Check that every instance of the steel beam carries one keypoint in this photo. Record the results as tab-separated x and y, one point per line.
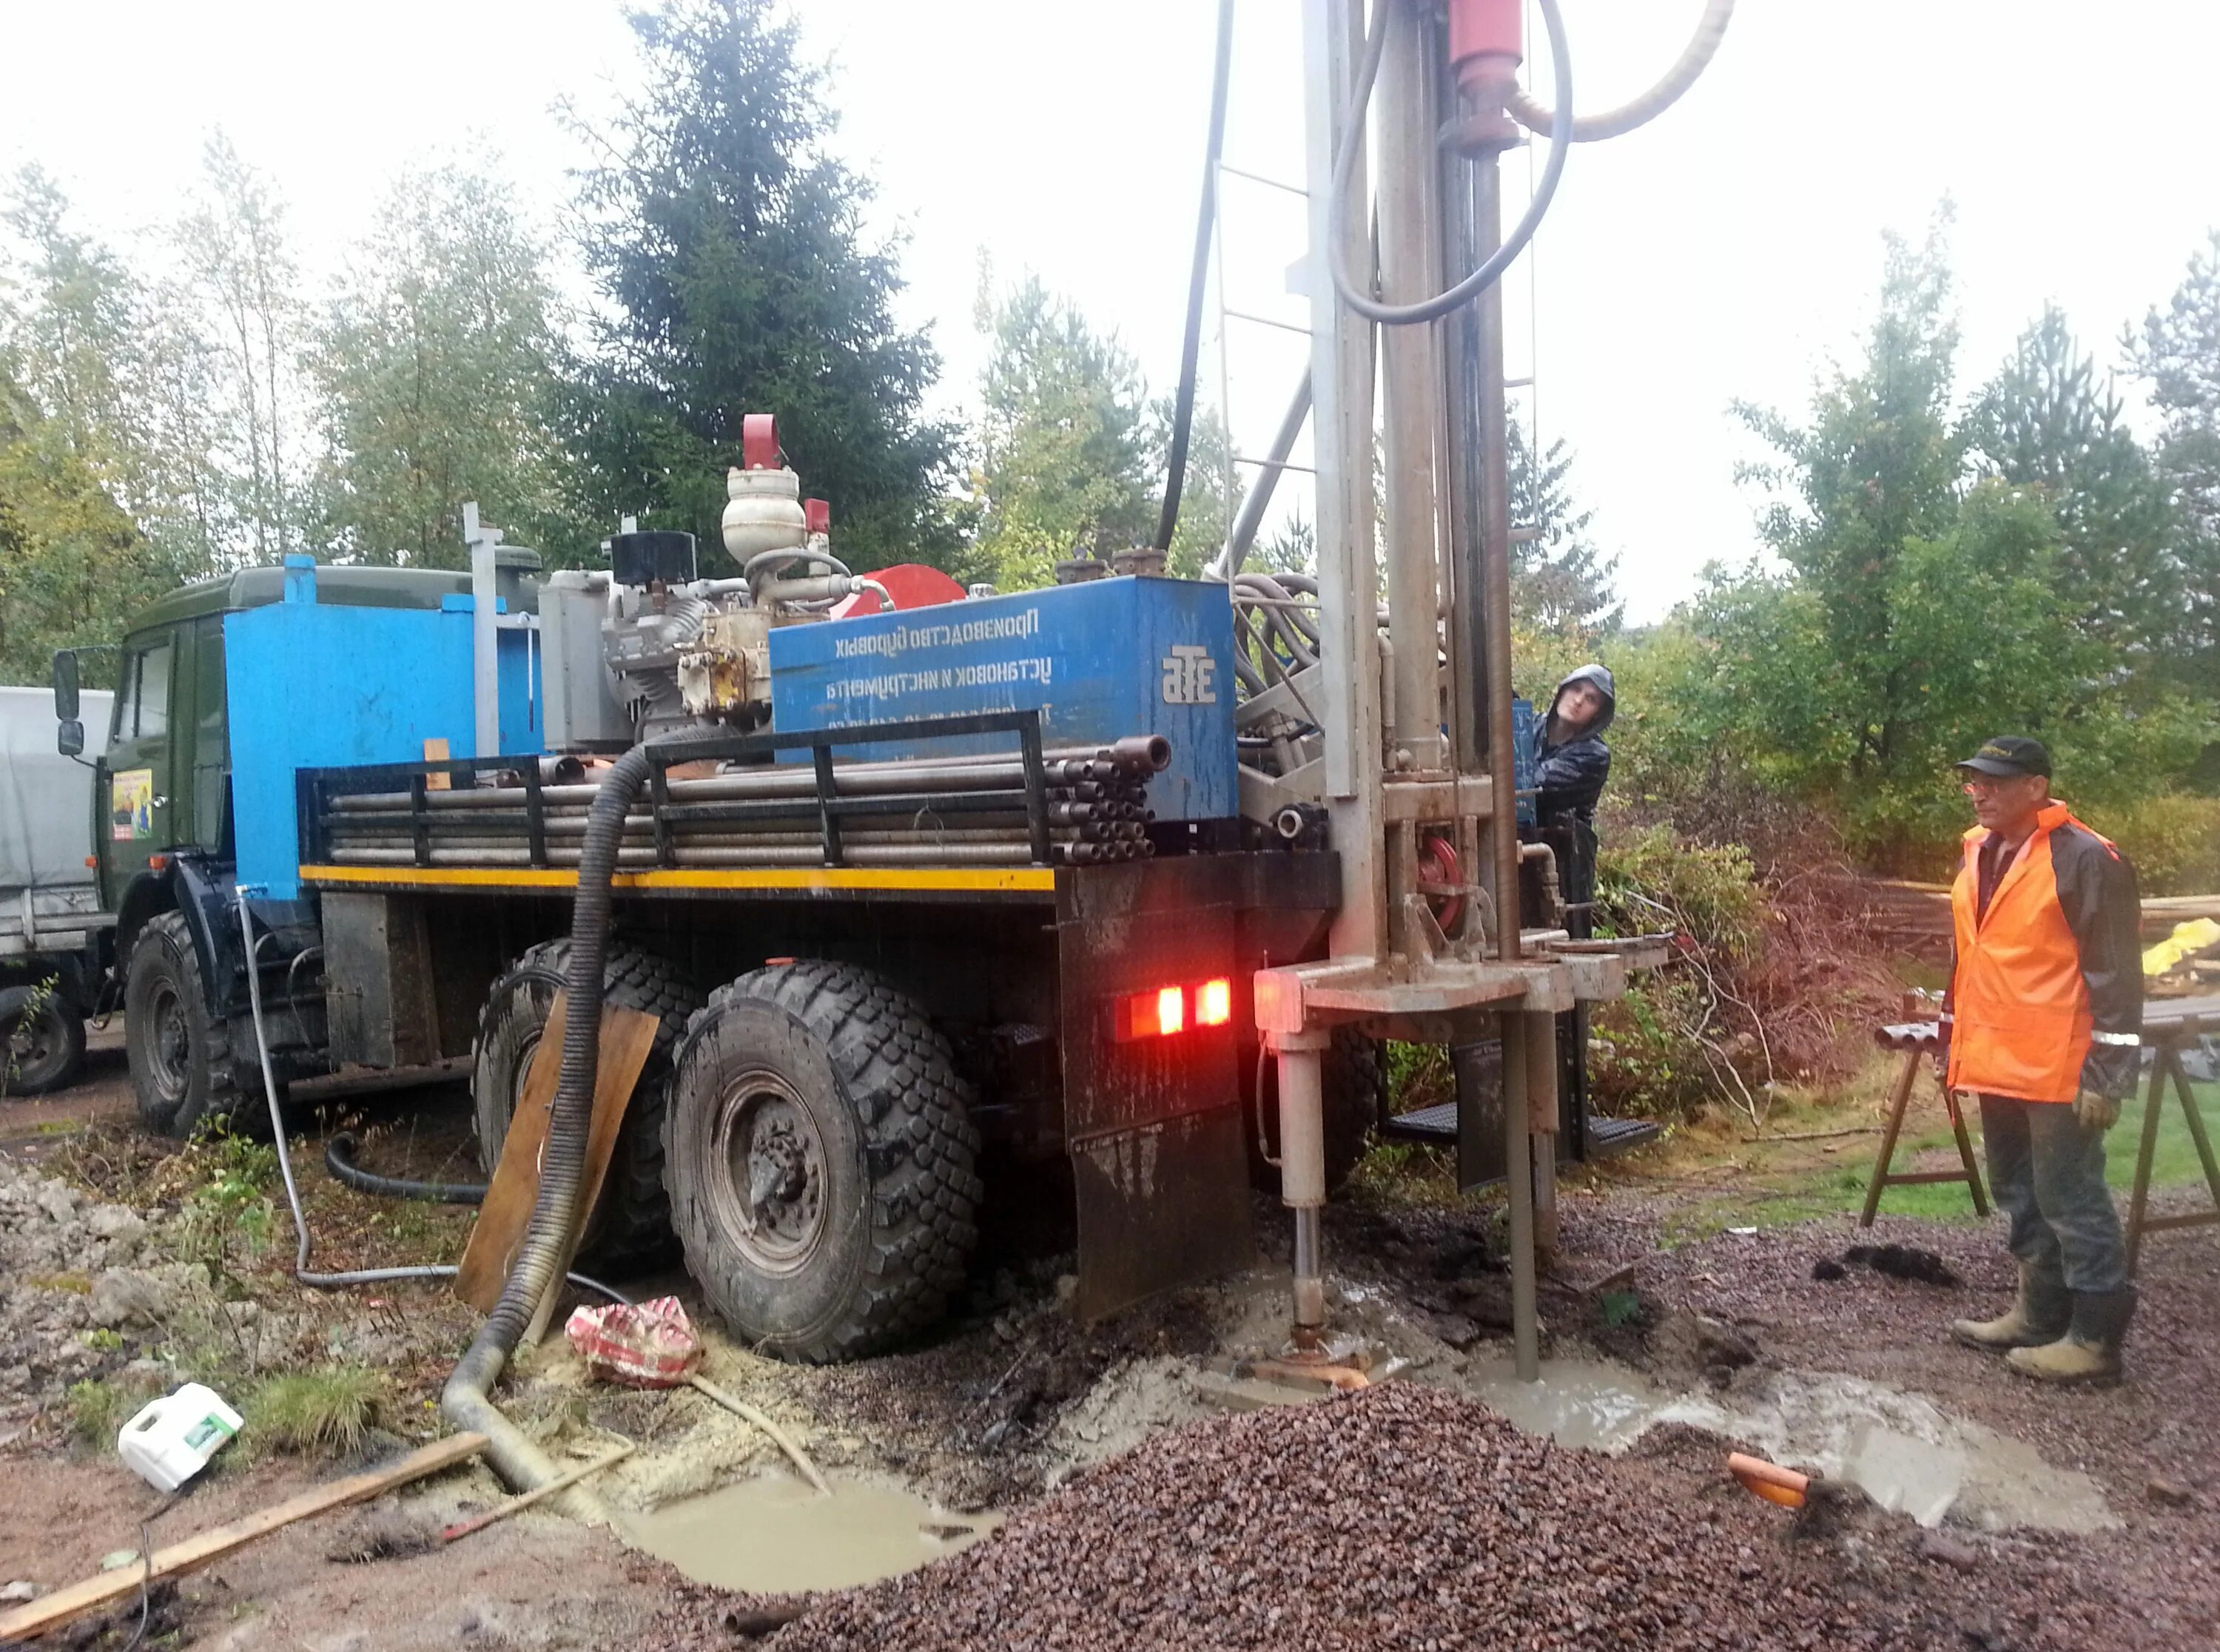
1341	396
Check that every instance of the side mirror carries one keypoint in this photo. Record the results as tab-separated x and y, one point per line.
69	737
65	705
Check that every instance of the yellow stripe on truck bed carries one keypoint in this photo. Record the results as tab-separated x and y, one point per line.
805	879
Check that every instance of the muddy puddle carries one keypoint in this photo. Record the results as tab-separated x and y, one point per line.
776	1535
1904	1452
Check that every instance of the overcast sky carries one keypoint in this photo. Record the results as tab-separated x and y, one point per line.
1725	252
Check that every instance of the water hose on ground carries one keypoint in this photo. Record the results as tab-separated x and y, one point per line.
323	1281
464	1400
339	1159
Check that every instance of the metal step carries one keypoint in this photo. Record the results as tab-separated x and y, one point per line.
1605	1137
1438	1124
1608	1137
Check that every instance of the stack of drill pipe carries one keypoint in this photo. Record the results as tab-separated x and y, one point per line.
1096	808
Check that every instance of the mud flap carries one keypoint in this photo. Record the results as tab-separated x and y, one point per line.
1153	1124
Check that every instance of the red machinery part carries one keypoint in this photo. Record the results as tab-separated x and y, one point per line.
816	516
912	585
758	441
1440	858
1486	43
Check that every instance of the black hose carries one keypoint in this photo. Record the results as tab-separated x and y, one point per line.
1191	345
339	1159
542	1255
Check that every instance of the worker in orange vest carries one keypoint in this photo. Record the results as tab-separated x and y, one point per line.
2043	1020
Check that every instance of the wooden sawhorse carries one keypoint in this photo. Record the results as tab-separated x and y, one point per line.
1919	1041
2170	1026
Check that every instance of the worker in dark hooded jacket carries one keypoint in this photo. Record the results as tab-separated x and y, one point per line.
1571	764
1573	760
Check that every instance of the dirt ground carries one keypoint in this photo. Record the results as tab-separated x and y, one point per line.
1725	1333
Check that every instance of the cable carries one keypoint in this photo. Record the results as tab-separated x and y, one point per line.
1639	111
322	1281
1344	166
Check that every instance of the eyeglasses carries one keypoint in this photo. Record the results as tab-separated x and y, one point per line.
1995	784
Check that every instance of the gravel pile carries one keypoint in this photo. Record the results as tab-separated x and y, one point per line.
63	1271
1398	1517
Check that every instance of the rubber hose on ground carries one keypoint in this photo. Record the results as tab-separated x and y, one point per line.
465	1401
339	1159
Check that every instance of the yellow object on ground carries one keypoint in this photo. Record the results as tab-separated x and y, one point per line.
2188	940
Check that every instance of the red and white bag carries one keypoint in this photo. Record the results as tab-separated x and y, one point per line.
649	1344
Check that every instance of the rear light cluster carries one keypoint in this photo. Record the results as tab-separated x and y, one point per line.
1167	1010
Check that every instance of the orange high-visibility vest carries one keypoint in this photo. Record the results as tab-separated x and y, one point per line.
2020	1006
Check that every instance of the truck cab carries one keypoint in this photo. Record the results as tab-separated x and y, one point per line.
164	823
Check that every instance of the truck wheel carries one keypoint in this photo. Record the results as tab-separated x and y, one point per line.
41	1041
1350	1080
822	1162
180	1055
632	1219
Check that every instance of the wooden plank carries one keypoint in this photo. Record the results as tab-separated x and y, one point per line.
539	1494
51	1612
627	1035
435	751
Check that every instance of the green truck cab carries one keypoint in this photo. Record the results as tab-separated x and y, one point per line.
162	833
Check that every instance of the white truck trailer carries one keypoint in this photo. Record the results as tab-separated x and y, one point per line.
52	928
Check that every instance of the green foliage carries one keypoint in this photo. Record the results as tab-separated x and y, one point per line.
1649	879
228	1215
242	337
1560	583
81	452
725	244
1921	608
97	1407
2173	840
2045	422
325	1412
2177	352
1064	441
436	362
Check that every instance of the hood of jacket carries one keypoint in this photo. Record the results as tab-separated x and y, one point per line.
1599	674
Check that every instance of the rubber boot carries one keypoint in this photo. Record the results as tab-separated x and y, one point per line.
2090	1351
2042	1313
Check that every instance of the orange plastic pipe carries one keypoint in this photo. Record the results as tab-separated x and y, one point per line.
1770	1480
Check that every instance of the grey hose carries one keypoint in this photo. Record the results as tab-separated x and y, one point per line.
321	1281
464	1400
1491	270
1638	111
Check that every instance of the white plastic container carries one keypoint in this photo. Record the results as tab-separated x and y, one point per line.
172	1438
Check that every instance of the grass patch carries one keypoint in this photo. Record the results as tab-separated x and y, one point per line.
322	1413
1778	1187
99	1407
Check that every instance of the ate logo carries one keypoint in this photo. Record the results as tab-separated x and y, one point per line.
1190	676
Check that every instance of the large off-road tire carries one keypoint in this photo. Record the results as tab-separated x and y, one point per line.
42	1040
630	1221
180	1055
1350	1084
822	1162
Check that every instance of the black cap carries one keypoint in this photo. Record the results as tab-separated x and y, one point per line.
2009	755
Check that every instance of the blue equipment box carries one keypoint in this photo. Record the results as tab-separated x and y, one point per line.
1099	660
1526	733
312	685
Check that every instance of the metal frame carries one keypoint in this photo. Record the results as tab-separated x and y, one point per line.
316	788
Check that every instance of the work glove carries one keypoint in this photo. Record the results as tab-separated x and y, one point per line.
2096	1110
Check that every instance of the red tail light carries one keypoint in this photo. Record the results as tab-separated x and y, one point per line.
1167	1010
1214	1003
